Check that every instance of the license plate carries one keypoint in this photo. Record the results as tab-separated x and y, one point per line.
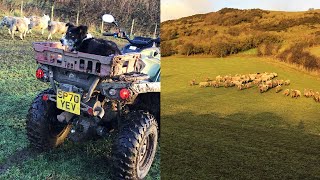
68	101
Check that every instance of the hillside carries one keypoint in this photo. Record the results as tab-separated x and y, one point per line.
230	31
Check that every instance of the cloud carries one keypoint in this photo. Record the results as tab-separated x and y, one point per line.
180	8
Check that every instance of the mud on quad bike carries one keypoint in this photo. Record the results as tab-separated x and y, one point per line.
92	96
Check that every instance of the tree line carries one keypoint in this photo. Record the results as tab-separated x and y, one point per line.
146	13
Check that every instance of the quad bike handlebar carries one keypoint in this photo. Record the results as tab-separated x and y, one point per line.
136	42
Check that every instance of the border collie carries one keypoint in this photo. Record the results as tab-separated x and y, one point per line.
78	39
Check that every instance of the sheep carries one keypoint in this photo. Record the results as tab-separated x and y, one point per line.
237	83
226	84
215	84
269	84
219	78
248	85
311	93
252	76
280	82
278	89
258	76
204	84
21	25
295	93
242	76
240	87
316	96
7	21
298	93
287	82
263	88
286	92
274	74
227	77
246	79
232	83
264	78
56	27
274	83
306	93
192	82
236	78
229	83
257	81
39	22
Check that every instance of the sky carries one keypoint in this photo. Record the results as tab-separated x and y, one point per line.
173	9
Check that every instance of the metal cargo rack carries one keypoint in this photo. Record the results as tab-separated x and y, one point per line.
54	54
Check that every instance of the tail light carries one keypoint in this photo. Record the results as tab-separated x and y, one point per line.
42	74
124	94
39	73
90	111
45	97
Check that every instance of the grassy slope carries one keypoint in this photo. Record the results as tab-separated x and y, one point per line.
18	87
233	134
315	51
196	23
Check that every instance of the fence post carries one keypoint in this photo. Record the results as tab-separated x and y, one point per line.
132	28
78	13
52	9
21	10
102	23
77	21
155	31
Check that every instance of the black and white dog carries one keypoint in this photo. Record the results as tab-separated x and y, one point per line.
78	39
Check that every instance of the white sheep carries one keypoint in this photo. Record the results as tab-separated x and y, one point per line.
39	22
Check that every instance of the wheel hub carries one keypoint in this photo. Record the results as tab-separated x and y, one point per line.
143	150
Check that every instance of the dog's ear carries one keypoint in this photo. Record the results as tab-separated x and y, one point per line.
69	24
83	30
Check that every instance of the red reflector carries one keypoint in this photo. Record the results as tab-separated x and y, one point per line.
39	73
45	97
124	93
90	111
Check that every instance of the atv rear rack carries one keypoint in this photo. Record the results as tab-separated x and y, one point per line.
54	54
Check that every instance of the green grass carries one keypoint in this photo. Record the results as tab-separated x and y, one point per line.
210	133
18	87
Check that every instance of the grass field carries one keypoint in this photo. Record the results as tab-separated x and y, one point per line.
210	133
18	87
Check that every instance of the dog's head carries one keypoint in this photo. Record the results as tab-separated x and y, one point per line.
74	36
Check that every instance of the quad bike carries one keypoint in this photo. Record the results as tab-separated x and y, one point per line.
92	96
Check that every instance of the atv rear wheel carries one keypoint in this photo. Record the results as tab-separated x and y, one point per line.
135	146
44	131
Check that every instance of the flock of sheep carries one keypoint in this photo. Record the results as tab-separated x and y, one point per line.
264	81
25	25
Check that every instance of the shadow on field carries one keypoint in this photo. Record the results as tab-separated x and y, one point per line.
17	158
237	146
90	159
